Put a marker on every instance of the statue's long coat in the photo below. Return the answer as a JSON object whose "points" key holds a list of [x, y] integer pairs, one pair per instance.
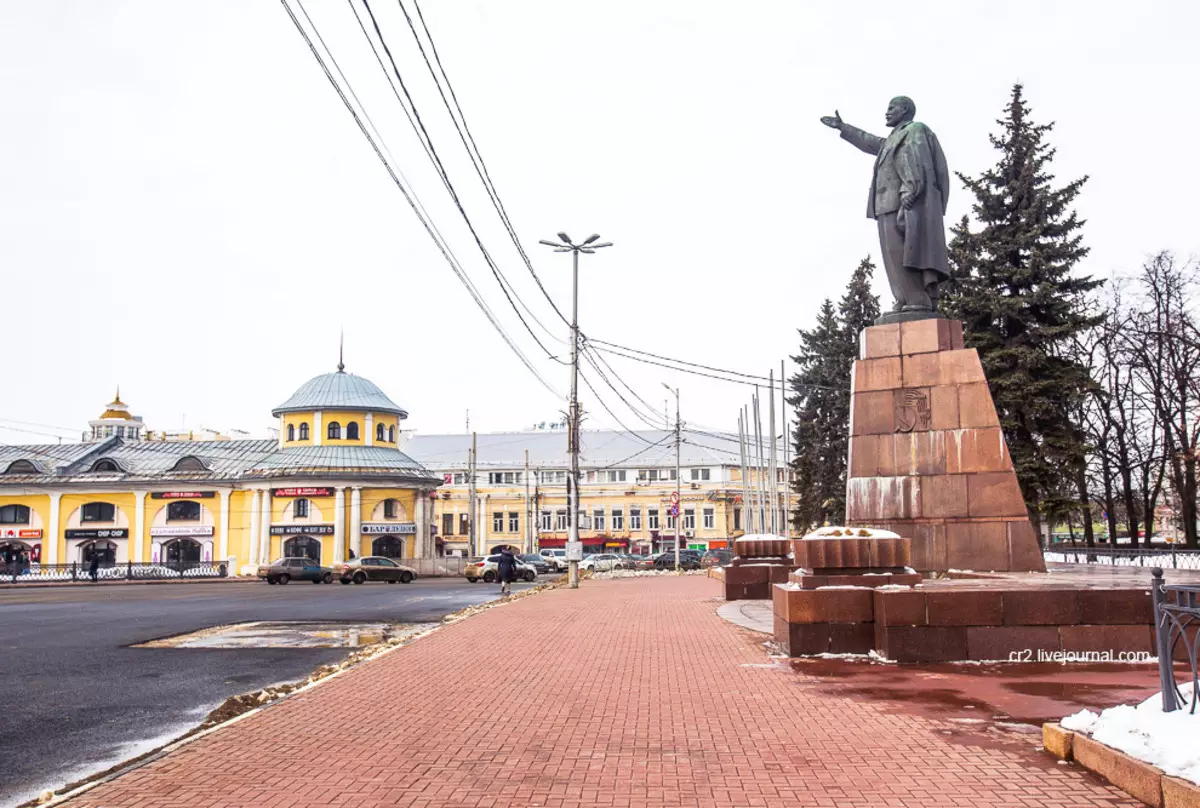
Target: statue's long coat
{"points": [[910, 159]]}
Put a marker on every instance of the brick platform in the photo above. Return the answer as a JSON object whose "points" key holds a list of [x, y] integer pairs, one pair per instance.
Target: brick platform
{"points": [[623, 693]]}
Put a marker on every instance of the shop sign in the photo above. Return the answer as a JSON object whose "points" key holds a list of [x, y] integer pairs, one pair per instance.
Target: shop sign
{"points": [[99, 533], [301, 492], [389, 527], [312, 530], [182, 494], [20, 533], [182, 530]]}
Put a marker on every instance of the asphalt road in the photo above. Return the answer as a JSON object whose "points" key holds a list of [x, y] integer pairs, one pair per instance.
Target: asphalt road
{"points": [[76, 699]]}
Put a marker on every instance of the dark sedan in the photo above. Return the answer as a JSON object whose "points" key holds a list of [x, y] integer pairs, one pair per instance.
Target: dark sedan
{"points": [[282, 570], [540, 563]]}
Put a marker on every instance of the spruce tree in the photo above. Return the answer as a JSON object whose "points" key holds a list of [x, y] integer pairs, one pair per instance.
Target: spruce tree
{"points": [[1014, 287], [821, 398]]}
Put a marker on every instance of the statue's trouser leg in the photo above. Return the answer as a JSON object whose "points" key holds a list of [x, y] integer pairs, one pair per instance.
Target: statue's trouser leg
{"points": [[908, 285]]}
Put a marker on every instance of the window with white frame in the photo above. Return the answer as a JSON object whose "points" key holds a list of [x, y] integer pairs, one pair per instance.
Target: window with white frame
{"points": [[615, 475], [461, 478], [597, 518], [689, 518], [701, 475], [670, 521], [652, 518], [710, 518], [544, 521], [514, 522], [504, 478], [554, 477], [635, 517], [618, 518], [300, 509], [497, 523], [560, 520]]}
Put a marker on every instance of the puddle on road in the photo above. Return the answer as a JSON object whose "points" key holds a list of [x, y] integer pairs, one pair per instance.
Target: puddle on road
{"points": [[291, 635]]}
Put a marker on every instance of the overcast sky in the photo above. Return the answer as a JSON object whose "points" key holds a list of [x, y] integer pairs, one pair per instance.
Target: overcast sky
{"points": [[186, 208]]}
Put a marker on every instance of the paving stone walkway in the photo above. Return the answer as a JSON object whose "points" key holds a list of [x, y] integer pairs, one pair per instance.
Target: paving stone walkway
{"points": [[624, 693]]}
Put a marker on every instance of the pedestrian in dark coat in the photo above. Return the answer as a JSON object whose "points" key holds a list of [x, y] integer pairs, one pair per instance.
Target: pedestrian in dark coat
{"points": [[507, 569], [94, 568]]}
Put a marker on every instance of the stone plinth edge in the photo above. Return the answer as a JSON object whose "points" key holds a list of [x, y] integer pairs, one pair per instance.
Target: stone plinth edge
{"points": [[1135, 777]]}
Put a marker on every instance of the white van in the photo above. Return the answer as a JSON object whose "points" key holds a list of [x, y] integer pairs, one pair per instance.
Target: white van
{"points": [[557, 557]]}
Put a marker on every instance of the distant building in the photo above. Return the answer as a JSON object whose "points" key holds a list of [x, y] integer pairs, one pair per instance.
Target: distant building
{"points": [[334, 481], [624, 494]]}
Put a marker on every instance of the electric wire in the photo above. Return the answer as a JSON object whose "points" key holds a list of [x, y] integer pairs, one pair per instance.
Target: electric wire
{"points": [[608, 410], [638, 413], [409, 198], [504, 283], [465, 135]]}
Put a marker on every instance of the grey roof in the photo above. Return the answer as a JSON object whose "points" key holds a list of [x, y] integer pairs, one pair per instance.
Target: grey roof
{"points": [[340, 460], [222, 460], [339, 391], [598, 449]]}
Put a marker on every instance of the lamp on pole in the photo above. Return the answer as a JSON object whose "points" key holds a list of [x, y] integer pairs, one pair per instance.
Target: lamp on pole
{"points": [[677, 505], [589, 246]]}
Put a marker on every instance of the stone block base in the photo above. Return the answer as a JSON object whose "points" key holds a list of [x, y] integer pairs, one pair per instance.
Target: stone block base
{"points": [[754, 581]]}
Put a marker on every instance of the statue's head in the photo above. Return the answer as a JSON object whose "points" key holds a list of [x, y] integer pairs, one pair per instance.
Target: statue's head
{"points": [[901, 109]]}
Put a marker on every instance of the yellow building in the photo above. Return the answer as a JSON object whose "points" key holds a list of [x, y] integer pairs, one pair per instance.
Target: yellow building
{"points": [[334, 483], [625, 490]]}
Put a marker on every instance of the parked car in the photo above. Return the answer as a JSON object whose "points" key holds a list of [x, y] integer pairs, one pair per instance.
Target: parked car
{"points": [[375, 568], [600, 562], [645, 562], [487, 570], [627, 561], [540, 563], [282, 570], [688, 560], [716, 558], [556, 556]]}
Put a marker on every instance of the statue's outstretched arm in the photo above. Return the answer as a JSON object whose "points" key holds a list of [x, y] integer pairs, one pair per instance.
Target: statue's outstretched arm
{"points": [[865, 141]]}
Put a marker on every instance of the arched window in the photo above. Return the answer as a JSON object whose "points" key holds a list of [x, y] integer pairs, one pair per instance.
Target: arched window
{"points": [[352, 430], [389, 508], [98, 512], [189, 463], [291, 434], [183, 511], [303, 547], [300, 509], [304, 431], [105, 552], [388, 547], [106, 465], [335, 431], [379, 432], [14, 515], [182, 551], [22, 467], [391, 434]]}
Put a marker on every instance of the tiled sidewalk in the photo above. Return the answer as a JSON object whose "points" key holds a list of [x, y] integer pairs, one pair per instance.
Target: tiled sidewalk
{"points": [[623, 693]]}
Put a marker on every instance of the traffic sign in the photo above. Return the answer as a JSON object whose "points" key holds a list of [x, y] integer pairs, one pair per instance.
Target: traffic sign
{"points": [[674, 497], [675, 509]]}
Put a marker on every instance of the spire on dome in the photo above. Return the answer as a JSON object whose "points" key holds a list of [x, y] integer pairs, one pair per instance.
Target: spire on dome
{"points": [[341, 347]]}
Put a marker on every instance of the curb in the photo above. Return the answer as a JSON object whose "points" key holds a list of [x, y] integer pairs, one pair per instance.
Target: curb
{"points": [[1135, 777]]}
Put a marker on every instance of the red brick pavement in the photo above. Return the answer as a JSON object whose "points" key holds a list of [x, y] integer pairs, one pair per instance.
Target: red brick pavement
{"points": [[623, 693]]}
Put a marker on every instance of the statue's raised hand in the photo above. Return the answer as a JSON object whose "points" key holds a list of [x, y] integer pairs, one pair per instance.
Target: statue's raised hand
{"points": [[833, 121]]}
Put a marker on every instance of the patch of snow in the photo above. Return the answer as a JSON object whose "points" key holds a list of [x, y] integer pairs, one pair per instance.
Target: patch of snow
{"points": [[844, 586], [910, 570], [894, 586], [1145, 732], [954, 570]]}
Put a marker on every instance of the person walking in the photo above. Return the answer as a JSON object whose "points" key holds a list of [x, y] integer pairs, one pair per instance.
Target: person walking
{"points": [[507, 569], [94, 567]]}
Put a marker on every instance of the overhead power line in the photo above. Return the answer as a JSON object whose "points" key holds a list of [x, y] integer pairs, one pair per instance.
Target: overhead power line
{"points": [[409, 197]]}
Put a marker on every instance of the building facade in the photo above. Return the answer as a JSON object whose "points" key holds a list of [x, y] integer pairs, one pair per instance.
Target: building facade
{"points": [[625, 491], [334, 483]]}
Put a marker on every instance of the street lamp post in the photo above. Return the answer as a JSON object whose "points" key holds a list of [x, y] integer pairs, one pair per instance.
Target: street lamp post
{"points": [[589, 246], [678, 505]]}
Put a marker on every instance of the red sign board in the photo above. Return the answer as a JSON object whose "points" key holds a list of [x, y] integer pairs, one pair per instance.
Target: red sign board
{"points": [[20, 533], [301, 492], [182, 494]]}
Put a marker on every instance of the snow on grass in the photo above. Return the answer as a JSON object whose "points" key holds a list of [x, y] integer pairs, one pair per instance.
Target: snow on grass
{"points": [[1170, 741]]}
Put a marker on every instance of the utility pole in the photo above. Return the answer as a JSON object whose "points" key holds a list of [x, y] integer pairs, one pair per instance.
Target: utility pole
{"points": [[787, 466], [745, 483], [677, 504], [773, 486], [528, 511], [574, 548], [471, 498], [758, 453]]}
